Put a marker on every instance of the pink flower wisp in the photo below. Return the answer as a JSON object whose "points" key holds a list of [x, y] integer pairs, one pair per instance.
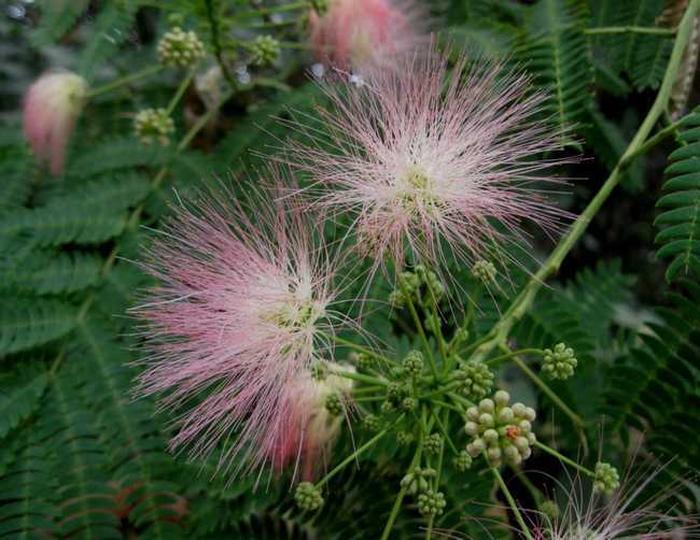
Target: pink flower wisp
{"points": [[354, 34], [239, 316], [51, 107], [423, 158]]}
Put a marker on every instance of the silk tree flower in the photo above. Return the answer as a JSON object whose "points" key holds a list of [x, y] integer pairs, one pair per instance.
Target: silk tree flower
{"points": [[423, 158], [356, 34], [241, 313], [309, 428], [51, 107]]}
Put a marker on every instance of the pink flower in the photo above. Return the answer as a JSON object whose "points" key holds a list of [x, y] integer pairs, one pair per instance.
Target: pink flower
{"points": [[360, 33], [240, 315], [425, 159], [51, 107]]}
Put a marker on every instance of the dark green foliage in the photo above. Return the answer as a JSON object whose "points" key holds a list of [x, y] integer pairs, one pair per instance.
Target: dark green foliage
{"points": [[555, 51], [680, 217]]}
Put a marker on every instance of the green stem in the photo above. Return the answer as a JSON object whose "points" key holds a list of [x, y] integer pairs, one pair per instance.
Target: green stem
{"points": [[359, 348], [564, 459], [213, 19], [419, 326], [182, 87], [272, 9], [441, 391], [576, 419], [442, 345], [534, 492], [511, 502], [359, 377], [653, 141], [522, 302], [354, 455], [151, 70], [653, 30], [443, 428]]}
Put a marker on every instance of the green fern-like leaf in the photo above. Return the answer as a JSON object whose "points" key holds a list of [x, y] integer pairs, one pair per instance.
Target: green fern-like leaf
{"points": [[19, 396], [51, 273], [680, 217], [26, 323], [555, 51]]}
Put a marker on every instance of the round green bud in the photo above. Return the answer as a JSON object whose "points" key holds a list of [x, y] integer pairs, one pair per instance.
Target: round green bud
{"points": [[487, 406], [461, 335], [334, 404], [476, 379], [473, 413], [409, 404], [471, 428], [404, 438], [431, 503], [409, 281], [490, 436], [265, 50], [371, 423], [560, 362], [387, 407], [395, 392], [463, 461], [152, 125], [413, 363], [484, 271], [178, 48], [502, 398], [550, 509], [396, 299], [432, 444], [606, 479], [308, 497]]}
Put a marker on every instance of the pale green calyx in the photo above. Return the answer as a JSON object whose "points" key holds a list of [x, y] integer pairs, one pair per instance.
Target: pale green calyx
{"points": [[416, 481]]}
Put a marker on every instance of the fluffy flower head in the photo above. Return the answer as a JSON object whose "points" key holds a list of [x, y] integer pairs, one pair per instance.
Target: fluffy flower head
{"points": [[51, 106], [234, 326], [354, 34], [423, 157]]}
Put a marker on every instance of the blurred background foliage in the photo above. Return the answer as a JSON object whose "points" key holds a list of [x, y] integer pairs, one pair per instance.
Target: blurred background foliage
{"points": [[80, 458]]}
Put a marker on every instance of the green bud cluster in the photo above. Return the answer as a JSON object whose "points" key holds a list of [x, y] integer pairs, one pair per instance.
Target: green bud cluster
{"points": [[560, 362], [463, 461], [308, 497], [502, 432], [432, 281], [178, 48], [153, 125], [371, 423], [606, 479], [475, 378], [413, 363], [404, 438], [396, 392], [265, 51], [431, 503], [484, 271], [549, 508], [411, 282], [334, 405], [361, 360], [409, 404], [432, 323], [417, 480], [432, 444]]}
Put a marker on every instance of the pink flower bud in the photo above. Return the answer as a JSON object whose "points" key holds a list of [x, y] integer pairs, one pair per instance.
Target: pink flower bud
{"points": [[51, 106], [360, 33]]}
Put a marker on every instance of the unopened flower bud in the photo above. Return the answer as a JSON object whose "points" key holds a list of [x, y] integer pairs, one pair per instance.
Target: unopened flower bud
{"points": [[607, 479], [463, 461], [52, 105], [484, 271], [178, 48], [153, 125], [560, 362], [308, 497], [265, 51], [433, 443], [334, 405], [431, 503], [413, 363]]}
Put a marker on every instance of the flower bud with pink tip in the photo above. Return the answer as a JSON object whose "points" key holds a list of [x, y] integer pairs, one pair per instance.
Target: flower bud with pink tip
{"points": [[51, 107], [241, 315], [309, 429], [356, 34]]}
